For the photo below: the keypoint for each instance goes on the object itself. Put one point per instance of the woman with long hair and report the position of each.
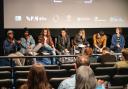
(37, 78)
(80, 41)
(46, 45)
(63, 41)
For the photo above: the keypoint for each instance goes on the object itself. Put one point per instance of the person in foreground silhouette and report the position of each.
(37, 78)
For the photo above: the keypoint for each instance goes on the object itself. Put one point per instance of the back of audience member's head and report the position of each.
(85, 78)
(105, 50)
(88, 51)
(125, 53)
(82, 60)
(37, 78)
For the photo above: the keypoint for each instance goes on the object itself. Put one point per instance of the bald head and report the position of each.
(82, 60)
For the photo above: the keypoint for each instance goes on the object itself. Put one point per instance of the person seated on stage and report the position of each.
(106, 56)
(69, 83)
(124, 62)
(85, 78)
(118, 41)
(99, 41)
(63, 42)
(45, 45)
(37, 78)
(89, 52)
(11, 48)
(27, 43)
(80, 42)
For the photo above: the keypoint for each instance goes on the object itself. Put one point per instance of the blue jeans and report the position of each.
(49, 49)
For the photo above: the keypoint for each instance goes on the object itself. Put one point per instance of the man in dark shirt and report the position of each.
(106, 56)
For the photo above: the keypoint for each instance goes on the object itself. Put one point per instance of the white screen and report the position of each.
(65, 13)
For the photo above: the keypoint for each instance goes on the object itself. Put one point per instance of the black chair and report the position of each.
(122, 71)
(5, 68)
(55, 82)
(59, 73)
(67, 66)
(7, 83)
(6, 79)
(119, 80)
(21, 74)
(105, 71)
(20, 82)
(51, 67)
(108, 64)
(115, 87)
(22, 68)
(94, 65)
(103, 77)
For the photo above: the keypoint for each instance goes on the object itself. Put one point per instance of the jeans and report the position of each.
(49, 49)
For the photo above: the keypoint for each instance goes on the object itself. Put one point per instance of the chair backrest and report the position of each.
(119, 80)
(105, 71)
(21, 74)
(103, 77)
(20, 82)
(59, 73)
(55, 82)
(22, 68)
(6, 79)
(94, 65)
(5, 68)
(122, 71)
(51, 67)
(67, 66)
(108, 64)
(5, 75)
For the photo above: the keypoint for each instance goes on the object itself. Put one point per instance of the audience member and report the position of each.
(106, 56)
(124, 62)
(118, 41)
(99, 41)
(37, 78)
(69, 83)
(85, 78)
(89, 52)
(11, 48)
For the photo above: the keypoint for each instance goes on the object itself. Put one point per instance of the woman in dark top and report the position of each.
(63, 42)
(80, 41)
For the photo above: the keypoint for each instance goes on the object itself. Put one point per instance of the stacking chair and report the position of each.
(20, 82)
(6, 79)
(5, 68)
(94, 65)
(67, 66)
(108, 64)
(122, 71)
(50, 67)
(103, 77)
(105, 71)
(55, 82)
(56, 73)
(59, 73)
(119, 80)
(22, 68)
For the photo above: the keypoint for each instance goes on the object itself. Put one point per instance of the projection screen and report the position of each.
(65, 13)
